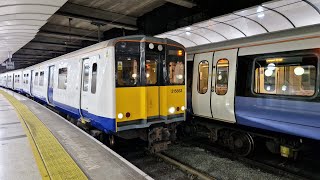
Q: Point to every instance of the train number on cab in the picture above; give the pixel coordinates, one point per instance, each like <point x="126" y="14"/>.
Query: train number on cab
<point x="176" y="90"/>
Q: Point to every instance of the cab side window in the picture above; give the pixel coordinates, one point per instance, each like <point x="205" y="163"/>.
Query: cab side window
<point x="94" y="78"/>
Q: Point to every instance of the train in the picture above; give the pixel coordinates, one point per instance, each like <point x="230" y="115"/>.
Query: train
<point x="263" y="88"/>
<point x="131" y="87"/>
<point x="239" y="93"/>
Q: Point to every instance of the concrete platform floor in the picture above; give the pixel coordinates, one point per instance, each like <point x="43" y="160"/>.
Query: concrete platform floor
<point x="16" y="157"/>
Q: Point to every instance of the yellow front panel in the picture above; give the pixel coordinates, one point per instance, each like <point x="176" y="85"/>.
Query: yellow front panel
<point x="131" y="100"/>
<point x="146" y="102"/>
<point x="172" y="96"/>
<point x="152" y="101"/>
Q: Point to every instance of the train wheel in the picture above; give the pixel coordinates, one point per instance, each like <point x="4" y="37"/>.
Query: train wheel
<point x="111" y="141"/>
<point x="243" y="143"/>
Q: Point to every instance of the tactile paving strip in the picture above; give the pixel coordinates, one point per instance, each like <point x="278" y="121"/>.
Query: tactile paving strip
<point x="54" y="162"/>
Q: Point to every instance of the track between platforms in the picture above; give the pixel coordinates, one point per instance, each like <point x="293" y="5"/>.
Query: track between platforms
<point x="52" y="159"/>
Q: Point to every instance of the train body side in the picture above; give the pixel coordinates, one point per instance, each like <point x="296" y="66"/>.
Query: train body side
<point x="294" y="115"/>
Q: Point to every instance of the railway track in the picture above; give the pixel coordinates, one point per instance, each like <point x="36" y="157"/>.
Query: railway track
<point x="192" y="172"/>
<point x="171" y="168"/>
<point x="268" y="166"/>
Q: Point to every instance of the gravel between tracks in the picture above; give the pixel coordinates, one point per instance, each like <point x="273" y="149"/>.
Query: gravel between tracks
<point x="216" y="166"/>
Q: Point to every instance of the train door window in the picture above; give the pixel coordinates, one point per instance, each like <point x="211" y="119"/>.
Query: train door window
<point x="222" y="77"/>
<point x="41" y="78"/>
<point x="27" y="80"/>
<point x="203" y="76"/>
<point x="86" y="72"/>
<point x="94" y="78"/>
<point x="290" y="76"/>
<point x="18" y="78"/>
<point x="62" y="78"/>
<point x="36" y="79"/>
<point x="151" y="69"/>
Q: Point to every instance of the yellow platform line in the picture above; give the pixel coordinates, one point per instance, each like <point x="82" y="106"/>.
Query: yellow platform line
<point x="52" y="159"/>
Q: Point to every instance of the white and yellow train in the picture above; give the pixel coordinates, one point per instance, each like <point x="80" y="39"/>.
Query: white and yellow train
<point x="130" y="87"/>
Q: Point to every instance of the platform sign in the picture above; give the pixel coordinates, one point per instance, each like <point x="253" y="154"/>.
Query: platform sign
<point x="9" y="65"/>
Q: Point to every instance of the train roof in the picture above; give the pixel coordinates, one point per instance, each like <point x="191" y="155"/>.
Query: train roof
<point x="297" y="33"/>
<point x="109" y="43"/>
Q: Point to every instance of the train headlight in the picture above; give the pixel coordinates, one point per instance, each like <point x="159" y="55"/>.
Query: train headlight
<point x="172" y="110"/>
<point x="183" y="108"/>
<point x="120" y="115"/>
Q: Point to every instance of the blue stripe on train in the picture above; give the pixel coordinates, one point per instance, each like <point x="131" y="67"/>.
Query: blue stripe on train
<point x="300" y="118"/>
<point x="102" y="123"/>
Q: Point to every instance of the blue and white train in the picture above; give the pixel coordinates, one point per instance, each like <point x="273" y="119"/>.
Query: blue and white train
<point x="263" y="87"/>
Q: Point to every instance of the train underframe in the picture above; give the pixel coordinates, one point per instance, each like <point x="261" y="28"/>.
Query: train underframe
<point x="158" y="136"/>
<point x="243" y="140"/>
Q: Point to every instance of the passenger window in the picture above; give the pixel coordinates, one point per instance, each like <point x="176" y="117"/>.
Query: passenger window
<point x="86" y="70"/>
<point x="62" y="78"/>
<point x="94" y="78"/>
<point x="151" y="70"/>
<point x="203" y="77"/>
<point x="222" y="77"/>
<point x="291" y="76"/>
<point x="36" y="79"/>
<point x="41" y="79"/>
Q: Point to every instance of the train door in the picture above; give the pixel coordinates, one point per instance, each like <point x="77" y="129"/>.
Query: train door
<point x="88" y="85"/>
<point x="31" y="82"/>
<point x="152" y="70"/>
<point x="50" y="84"/>
<point x="223" y="85"/>
<point x="202" y="82"/>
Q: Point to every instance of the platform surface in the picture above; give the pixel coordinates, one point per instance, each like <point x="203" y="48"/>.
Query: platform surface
<point x="94" y="159"/>
<point x="16" y="158"/>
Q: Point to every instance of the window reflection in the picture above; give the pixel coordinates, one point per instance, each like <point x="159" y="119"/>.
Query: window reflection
<point x="127" y="70"/>
<point x="151" y="70"/>
<point x="203" y="77"/>
<point x="222" y="77"/>
<point x="286" y="76"/>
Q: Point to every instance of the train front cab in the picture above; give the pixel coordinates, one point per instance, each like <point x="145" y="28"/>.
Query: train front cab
<point x="150" y="89"/>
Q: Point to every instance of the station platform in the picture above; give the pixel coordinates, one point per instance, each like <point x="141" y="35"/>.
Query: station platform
<point x="36" y="143"/>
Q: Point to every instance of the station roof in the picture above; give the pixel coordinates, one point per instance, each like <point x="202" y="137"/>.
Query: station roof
<point x="20" y="20"/>
<point x="267" y="17"/>
<point x="39" y="30"/>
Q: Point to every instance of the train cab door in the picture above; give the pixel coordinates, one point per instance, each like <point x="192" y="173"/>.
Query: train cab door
<point x="152" y="75"/>
<point x="202" y="83"/>
<point x="223" y="85"/>
<point x="88" y="86"/>
<point x="50" y="84"/>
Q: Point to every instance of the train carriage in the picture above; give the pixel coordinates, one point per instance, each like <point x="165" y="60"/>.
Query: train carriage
<point x="130" y="87"/>
<point x="253" y="87"/>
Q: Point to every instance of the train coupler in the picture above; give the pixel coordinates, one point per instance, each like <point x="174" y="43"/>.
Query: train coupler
<point x="158" y="139"/>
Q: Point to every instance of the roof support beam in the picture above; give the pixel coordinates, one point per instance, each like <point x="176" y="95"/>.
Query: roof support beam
<point x="64" y="36"/>
<point x="184" y="3"/>
<point x="30" y="56"/>
<point x="84" y="13"/>
<point x="42" y="50"/>
<point x="54" y="44"/>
